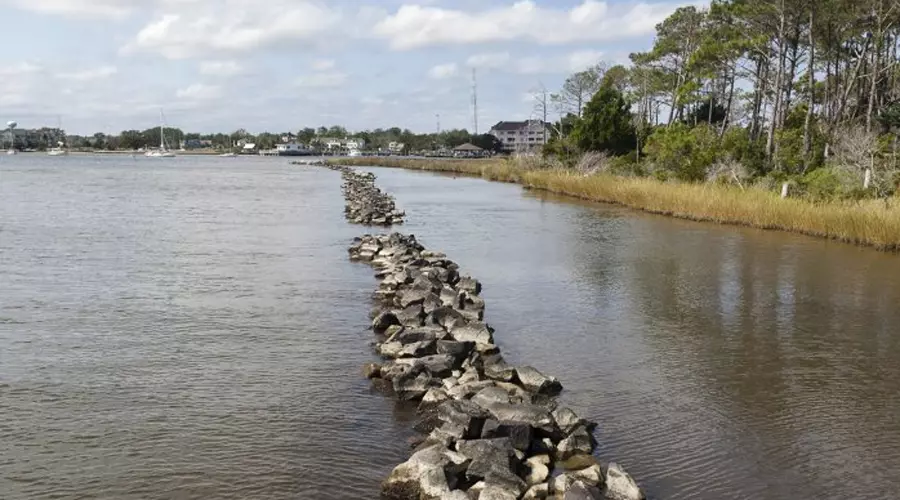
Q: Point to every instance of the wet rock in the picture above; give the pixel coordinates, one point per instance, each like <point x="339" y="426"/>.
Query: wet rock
<point x="458" y="350"/>
<point x="417" y="349"/>
<point x="620" y="485"/>
<point x="470" y="285"/>
<point x="446" y="317"/>
<point x="579" y="461"/>
<point x="422" y="476"/>
<point x="582" y="491"/>
<point x="383" y="321"/>
<point x="372" y="370"/>
<point x="535" y="381"/>
<point x="433" y="397"/>
<point x="489" y="456"/>
<point x="579" y="441"/>
<point x="455" y="495"/>
<point x="500" y="371"/>
<point x="568" y="421"/>
<point x="537" y="492"/>
<point x="438" y="365"/>
<point x="471" y="332"/>
<point x="411" y="386"/>
<point x="591" y="476"/>
<point x="413" y="315"/>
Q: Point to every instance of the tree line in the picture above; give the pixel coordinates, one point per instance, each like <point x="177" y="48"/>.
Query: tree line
<point x="767" y="91"/>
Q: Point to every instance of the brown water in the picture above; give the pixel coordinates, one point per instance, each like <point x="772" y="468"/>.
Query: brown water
<point x="192" y="329"/>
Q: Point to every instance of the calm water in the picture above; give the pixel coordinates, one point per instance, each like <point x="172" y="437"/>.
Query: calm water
<point x="191" y="328"/>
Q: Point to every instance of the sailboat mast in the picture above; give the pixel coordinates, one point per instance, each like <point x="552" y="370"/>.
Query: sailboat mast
<point x="162" y="137"/>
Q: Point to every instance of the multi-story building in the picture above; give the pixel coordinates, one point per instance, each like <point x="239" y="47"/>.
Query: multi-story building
<point x="521" y="137"/>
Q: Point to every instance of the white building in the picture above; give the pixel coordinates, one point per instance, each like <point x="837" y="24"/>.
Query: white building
<point x="292" y="149"/>
<point x="354" y="144"/>
<point x="396" y="147"/>
<point x="521" y="137"/>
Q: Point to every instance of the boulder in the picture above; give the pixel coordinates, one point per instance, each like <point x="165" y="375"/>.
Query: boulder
<point x="469" y="389"/>
<point x="433" y="397"/>
<point x="500" y="371"/>
<point x="591" y="476"/>
<point x="537" y="492"/>
<point x="411" y="316"/>
<point x="579" y="441"/>
<point x="417" y="349"/>
<point x="411" y="385"/>
<point x="535" y="381"/>
<point x="620" y="485"/>
<point x="390" y="349"/>
<point x="438" y="365"/>
<point x="518" y="433"/>
<point x="568" y="421"/>
<point x="490" y="395"/>
<point x="578" y="462"/>
<point x="458" y="350"/>
<point x="538" y="469"/>
<point x="471" y="332"/>
<point x="446" y="317"/>
<point x="582" y="491"/>
<point x="450" y="297"/>
<point x="422" y="476"/>
<point x="455" y="495"/>
<point x="534" y="416"/>
<point x="489" y="456"/>
<point x="383" y="321"/>
<point x="470" y="285"/>
<point x="372" y="370"/>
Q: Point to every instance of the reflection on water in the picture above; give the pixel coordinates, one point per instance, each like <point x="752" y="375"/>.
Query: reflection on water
<point x="192" y="329"/>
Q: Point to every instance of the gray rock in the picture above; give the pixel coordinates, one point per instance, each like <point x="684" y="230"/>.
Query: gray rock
<point x="591" y="476"/>
<point x="468" y="389"/>
<point x="579" y="441"/>
<point x="438" y="365"/>
<point x="537" y="492"/>
<point x="450" y="297"/>
<point x="582" y="491"/>
<point x="411" y="316"/>
<point x="471" y="332"/>
<point x="567" y="420"/>
<point x="446" y="317"/>
<point x="433" y="397"/>
<point x="620" y="485"/>
<point x="411" y="386"/>
<point x="371" y="370"/>
<point x="455" y="495"/>
<point x="534" y="416"/>
<point x="538" y="469"/>
<point x="518" y="433"/>
<point x="422" y="476"/>
<point x="384" y="320"/>
<point x="458" y="350"/>
<point x="390" y="349"/>
<point x="535" y="381"/>
<point x="418" y="349"/>
<point x="490" y="395"/>
<point x="470" y="285"/>
<point x="489" y="456"/>
<point x="500" y="371"/>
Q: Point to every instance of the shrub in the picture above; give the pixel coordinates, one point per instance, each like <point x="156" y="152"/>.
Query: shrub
<point x="685" y="153"/>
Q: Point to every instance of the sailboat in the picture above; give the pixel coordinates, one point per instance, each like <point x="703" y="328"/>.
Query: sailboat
<point x="59" y="150"/>
<point x="12" y="138"/>
<point x="162" y="152"/>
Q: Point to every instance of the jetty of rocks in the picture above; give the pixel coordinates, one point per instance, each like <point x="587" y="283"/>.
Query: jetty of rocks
<point x="489" y="430"/>
<point x="365" y="202"/>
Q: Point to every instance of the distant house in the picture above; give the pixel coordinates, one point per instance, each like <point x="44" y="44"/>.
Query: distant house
<point x="197" y="143"/>
<point x="292" y="149"/>
<point x="248" y="148"/>
<point x="468" y="150"/>
<point x="354" y="144"/>
<point x="396" y="147"/>
<point x="521" y="137"/>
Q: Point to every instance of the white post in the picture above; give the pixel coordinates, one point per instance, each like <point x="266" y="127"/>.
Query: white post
<point x="784" y="190"/>
<point x="868" y="179"/>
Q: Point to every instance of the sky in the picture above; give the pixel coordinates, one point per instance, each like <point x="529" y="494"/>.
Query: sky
<point x="278" y="65"/>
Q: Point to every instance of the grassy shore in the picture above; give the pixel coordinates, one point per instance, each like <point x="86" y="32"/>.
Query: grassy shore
<point x="869" y="223"/>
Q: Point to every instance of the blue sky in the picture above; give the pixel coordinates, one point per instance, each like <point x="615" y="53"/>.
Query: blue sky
<point x="219" y="65"/>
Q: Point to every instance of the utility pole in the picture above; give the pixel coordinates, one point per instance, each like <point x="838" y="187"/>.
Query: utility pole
<point x="475" y="99"/>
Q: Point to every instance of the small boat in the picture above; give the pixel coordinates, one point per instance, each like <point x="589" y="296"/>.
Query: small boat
<point x="11" y="151"/>
<point x="228" y="155"/>
<point x="59" y="150"/>
<point x="162" y="152"/>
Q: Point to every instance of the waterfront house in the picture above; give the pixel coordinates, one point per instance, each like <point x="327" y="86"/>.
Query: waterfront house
<point x="396" y="147"/>
<point x="526" y="136"/>
<point x="292" y="149"/>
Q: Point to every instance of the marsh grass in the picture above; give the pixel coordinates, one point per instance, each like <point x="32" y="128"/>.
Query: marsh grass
<point x="873" y="223"/>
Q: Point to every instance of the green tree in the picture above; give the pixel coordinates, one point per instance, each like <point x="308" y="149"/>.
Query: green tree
<point x="606" y="124"/>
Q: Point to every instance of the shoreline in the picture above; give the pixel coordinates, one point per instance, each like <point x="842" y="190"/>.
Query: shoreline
<point x="865" y="224"/>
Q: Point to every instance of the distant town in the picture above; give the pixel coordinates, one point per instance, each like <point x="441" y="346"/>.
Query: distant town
<point x="505" y="137"/>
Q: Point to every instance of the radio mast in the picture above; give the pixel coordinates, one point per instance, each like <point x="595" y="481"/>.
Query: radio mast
<point x="475" y="99"/>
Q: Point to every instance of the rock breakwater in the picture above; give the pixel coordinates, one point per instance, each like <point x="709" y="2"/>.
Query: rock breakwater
<point x="489" y="430"/>
<point x="365" y="202"/>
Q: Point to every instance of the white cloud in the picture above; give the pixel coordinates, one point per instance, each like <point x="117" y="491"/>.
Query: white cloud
<point x="415" y="26"/>
<point x="323" y="64"/>
<point x="89" y="75"/>
<point x="19" y="69"/>
<point x="490" y="60"/>
<point x="583" y="59"/>
<point x="78" y="8"/>
<point x="443" y="71"/>
<point x="242" y="27"/>
<point x="220" y="68"/>
<point x="328" y="79"/>
<point x="199" y="91"/>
